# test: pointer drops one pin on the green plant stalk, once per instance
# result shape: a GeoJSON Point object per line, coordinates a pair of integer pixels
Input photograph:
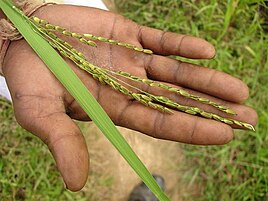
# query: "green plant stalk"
{"type": "Point", "coordinates": [231, 7]}
{"type": "Point", "coordinates": [77, 89]}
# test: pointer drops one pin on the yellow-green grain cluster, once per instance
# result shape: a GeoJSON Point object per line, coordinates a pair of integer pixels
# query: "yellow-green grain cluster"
{"type": "Point", "coordinates": [84, 38]}
{"type": "Point", "coordinates": [177, 91]}
{"type": "Point", "coordinates": [115, 81]}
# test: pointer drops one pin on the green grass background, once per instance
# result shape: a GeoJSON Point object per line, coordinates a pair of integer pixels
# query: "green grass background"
{"type": "Point", "coordinates": [236, 171]}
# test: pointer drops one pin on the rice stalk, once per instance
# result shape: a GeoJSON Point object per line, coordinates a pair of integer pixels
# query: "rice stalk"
{"type": "Point", "coordinates": [106, 76]}
{"type": "Point", "coordinates": [178, 91]}
{"type": "Point", "coordinates": [50, 27]}
{"type": "Point", "coordinates": [82, 37]}
{"type": "Point", "coordinates": [144, 97]}
{"type": "Point", "coordinates": [100, 75]}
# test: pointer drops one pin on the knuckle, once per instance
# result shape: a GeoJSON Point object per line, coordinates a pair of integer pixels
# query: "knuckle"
{"type": "Point", "coordinates": [57, 136]}
{"type": "Point", "coordinates": [159, 121]}
{"type": "Point", "coordinates": [163, 37]}
{"type": "Point", "coordinates": [193, 131]}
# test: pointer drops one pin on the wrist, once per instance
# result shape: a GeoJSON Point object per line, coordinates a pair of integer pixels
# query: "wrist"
{"type": "Point", "coordinates": [7, 31]}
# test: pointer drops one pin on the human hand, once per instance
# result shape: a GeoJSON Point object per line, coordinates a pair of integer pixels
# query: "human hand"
{"type": "Point", "coordinates": [43, 107]}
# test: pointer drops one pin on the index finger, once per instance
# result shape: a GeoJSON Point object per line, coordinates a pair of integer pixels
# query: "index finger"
{"type": "Point", "coordinates": [167, 43]}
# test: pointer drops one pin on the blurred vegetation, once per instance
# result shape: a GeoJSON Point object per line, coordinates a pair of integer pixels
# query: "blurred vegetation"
{"type": "Point", "coordinates": [238, 29]}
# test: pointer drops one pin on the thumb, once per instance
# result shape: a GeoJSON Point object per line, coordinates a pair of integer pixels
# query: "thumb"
{"type": "Point", "coordinates": [62, 136]}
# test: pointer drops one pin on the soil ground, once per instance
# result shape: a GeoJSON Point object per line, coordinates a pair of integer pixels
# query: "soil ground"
{"type": "Point", "coordinates": [160, 157]}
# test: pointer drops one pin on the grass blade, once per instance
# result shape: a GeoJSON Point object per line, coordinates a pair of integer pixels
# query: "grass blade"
{"type": "Point", "coordinates": [77, 89]}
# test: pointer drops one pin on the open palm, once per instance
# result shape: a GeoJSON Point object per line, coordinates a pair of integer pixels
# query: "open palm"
{"type": "Point", "coordinates": [45, 108]}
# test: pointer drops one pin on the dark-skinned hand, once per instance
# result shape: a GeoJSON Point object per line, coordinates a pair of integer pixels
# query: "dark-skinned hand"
{"type": "Point", "coordinates": [43, 106]}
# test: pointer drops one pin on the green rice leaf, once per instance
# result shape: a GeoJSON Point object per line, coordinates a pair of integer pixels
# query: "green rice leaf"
{"type": "Point", "coordinates": [77, 89]}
